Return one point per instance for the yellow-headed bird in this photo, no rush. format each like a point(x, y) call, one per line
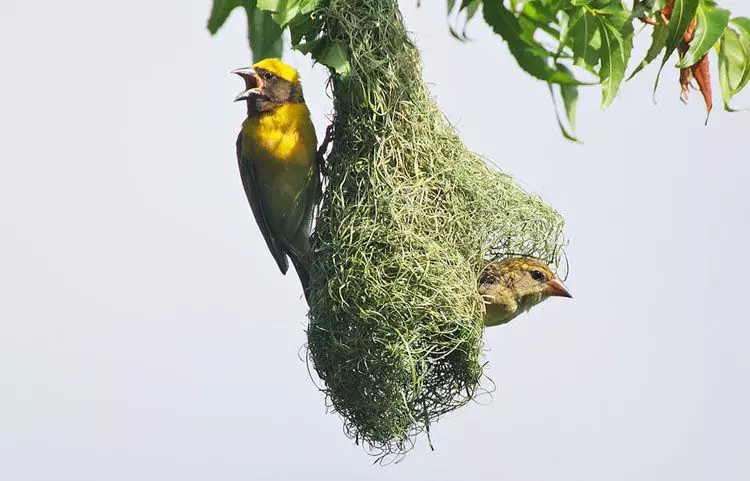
point(277, 155)
point(515, 285)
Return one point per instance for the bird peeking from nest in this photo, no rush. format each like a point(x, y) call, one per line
point(514, 285)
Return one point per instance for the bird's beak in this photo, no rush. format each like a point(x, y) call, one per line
point(252, 82)
point(556, 288)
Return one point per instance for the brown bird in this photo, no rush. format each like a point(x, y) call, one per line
point(515, 285)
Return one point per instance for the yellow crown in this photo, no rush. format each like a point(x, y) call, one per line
point(278, 67)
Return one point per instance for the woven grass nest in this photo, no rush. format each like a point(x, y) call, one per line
point(408, 218)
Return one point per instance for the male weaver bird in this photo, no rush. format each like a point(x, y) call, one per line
point(279, 163)
point(515, 285)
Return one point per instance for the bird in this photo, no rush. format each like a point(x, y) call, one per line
point(278, 162)
point(514, 285)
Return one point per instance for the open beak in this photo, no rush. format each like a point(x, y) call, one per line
point(556, 288)
point(252, 82)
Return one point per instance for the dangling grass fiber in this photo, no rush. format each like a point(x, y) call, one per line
point(406, 222)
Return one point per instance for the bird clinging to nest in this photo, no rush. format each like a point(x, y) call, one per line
point(515, 285)
point(279, 163)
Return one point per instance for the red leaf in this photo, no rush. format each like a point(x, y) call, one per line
point(702, 75)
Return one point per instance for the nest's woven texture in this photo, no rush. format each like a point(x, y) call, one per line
point(409, 215)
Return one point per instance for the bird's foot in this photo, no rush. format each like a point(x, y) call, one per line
point(323, 149)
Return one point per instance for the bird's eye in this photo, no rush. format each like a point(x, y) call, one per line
point(267, 75)
point(538, 276)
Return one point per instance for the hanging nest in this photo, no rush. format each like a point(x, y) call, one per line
point(406, 222)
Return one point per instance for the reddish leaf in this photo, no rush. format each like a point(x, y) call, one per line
point(702, 75)
point(687, 37)
point(667, 10)
point(700, 71)
point(685, 73)
point(685, 77)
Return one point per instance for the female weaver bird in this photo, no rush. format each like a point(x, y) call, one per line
point(277, 155)
point(515, 285)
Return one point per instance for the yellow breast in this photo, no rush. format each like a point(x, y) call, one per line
point(285, 135)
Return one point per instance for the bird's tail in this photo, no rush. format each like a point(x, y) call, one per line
point(303, 272)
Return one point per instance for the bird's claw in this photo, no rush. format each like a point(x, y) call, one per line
point(324, 148)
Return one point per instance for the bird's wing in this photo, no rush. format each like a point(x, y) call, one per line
point(247, 173)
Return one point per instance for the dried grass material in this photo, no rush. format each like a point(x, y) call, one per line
point(409, 215)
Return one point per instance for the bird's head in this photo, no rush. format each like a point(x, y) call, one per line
point(532, 280)
point(269, 84)
point(517, 284)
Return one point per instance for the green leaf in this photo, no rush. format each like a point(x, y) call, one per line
point(531, 57)
point(615, 53)
point(658, 42)
point(570, 100)
point(737, 58)
point(537, 15)
point(712, 21)
point(264, 35)
point(272, 5)
point(220, 11)
point(287, 15)
point(585, 39)
point(304, 26)
point(530, 26)
point(742, 23)
point(287, 11)
point(283, 10)
point(682, 14)
point(535, 10)
point(570, 135)
point(313, 48)
point(335, 57)
point(562, 39)
point(471, 9)
point(731, 65)
point(569, 94)
point(742, 26)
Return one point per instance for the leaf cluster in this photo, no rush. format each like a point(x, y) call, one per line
point(269, 19)
point(565, 43)
point(570, 43)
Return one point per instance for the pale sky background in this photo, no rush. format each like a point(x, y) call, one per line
point(146, 333)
